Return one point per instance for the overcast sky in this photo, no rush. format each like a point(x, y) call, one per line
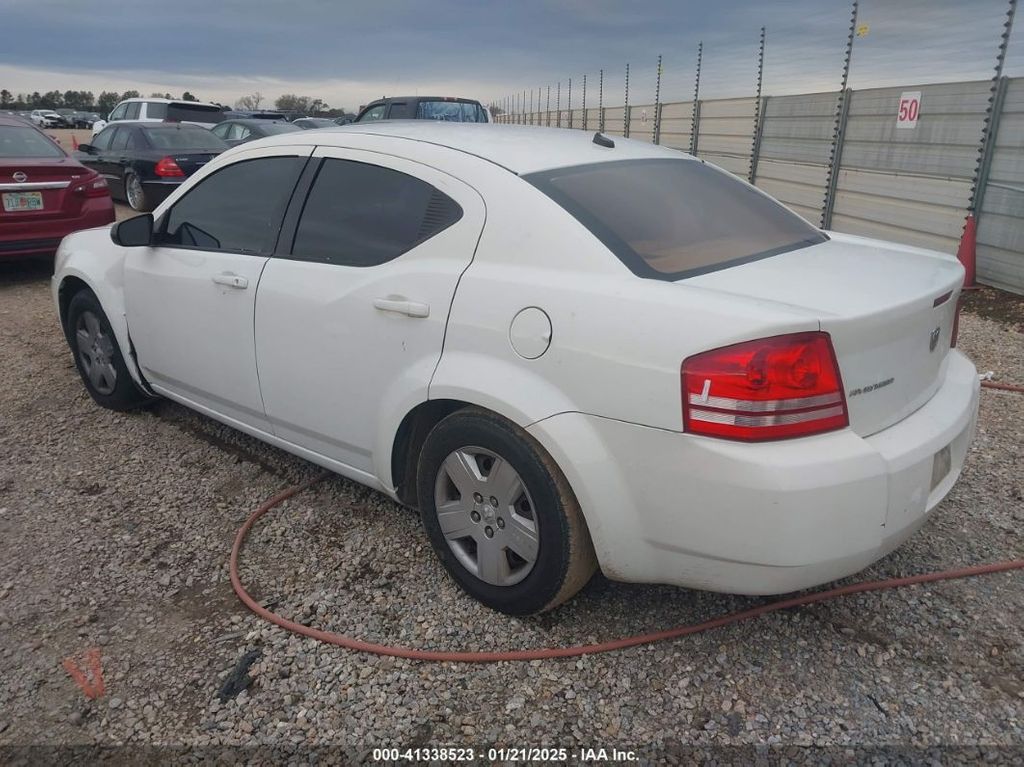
point(350, 52)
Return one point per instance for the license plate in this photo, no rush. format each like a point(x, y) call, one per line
point(19, 201)
point(941, 464)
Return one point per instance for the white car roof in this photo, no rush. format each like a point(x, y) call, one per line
point(521, 149)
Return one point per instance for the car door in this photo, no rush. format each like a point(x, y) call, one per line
point(116, 159)
point(190, 297)
point(351, 312)
point(96, 157)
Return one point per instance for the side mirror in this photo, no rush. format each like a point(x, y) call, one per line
point(87, 148)
point(134, 232)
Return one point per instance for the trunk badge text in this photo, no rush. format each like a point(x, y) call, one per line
point(933, 341)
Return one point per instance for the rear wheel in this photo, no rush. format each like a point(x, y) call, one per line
point(135, 194)
point(98, 357)
point(501, 516)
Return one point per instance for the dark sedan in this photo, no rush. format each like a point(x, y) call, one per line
point(144, 161)
point(235, 132)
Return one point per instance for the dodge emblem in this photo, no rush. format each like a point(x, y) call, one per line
point(933, 341)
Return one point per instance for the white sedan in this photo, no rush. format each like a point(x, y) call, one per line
point(567, 351)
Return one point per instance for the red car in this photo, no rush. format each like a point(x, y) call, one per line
point(44, 193)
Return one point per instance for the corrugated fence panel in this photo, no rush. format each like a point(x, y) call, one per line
point(799, 128)
point(943, 143)
point(641, 122)
point(801, 186)
point(1001, 222)
point(910, 185)
point(726, 133)
point(676, 123)
point(613, 120)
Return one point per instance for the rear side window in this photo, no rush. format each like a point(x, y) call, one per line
point(364, 215)
point(450, 111)
point(196, 113)
point(156, 110)
point(237, 209)
point(669, 219)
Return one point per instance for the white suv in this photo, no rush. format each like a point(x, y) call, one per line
point(163, 110)
point(46, 118)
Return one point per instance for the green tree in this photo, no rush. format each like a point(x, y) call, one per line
point(6, 99)
point(289, 102)
point(186, 96)
point(107, 101)
point(52, 100)
point(130, 95)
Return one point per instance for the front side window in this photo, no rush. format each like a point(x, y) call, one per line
point(358, 214)
point(132, 112)
point(374, 113)
point(236, 209)
point(674, 218)
point(118, 113)
point(102, 140)
point(120, 140)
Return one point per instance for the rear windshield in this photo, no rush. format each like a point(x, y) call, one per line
point(184, 137)
point(669, 219)
point(197, 113)
point(16, 141)
point(450, 111)
point(271, 127)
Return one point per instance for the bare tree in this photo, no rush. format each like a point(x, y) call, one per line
point(250, 102)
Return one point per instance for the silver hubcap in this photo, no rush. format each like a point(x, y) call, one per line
point(134, 192)
point(487, 516)
point(96, 351)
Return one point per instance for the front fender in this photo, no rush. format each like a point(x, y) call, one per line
point(91, 257)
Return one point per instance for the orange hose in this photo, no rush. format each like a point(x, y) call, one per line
point(1002, 386)
point(568, 652)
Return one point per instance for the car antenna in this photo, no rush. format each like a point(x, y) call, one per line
point(604, 141)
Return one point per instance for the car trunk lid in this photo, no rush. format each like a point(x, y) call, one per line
point(889, 310)
point(50, 181)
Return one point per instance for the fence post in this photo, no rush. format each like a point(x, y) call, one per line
point(842, 110)
point(547, 109)
point(584, 102)
point(600, 100)
point(988, 148)
point(570, 103)
point(656, 128)
point(558, 105)
point(625, 111)
point(837, 161)
point(755, 147)
point(755, 154)
point(695, 114)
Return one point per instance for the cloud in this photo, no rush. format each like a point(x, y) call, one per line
point(350, 52)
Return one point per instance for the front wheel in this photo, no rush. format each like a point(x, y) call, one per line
point(501, 516)
point(98, 357)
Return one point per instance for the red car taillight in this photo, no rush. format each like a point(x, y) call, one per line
point(166, 167)
point(773, 388)
point(93, 187)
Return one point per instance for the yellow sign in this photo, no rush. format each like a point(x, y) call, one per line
point(862, 30)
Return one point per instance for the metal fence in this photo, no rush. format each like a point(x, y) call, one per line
point(909, 184)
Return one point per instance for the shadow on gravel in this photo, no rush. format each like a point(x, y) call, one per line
point(26, 270)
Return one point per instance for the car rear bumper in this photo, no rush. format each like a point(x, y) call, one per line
point(42, 237)
point(667, 507)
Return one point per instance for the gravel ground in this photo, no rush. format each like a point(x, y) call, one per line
point(115, 531)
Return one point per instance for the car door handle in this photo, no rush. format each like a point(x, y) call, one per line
point(231, 280)
point(401, 306)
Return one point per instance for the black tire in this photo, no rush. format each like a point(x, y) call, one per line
point(564, 560)
point(137, 200)
point(98, 357)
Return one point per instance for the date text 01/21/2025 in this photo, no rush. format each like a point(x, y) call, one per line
point(532, 754)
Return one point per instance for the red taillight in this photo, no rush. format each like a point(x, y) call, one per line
point(167, 167)
point(956, 323)
point(95, 186)
point(773, 388)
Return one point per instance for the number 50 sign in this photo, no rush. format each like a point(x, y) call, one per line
point(909, 109)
